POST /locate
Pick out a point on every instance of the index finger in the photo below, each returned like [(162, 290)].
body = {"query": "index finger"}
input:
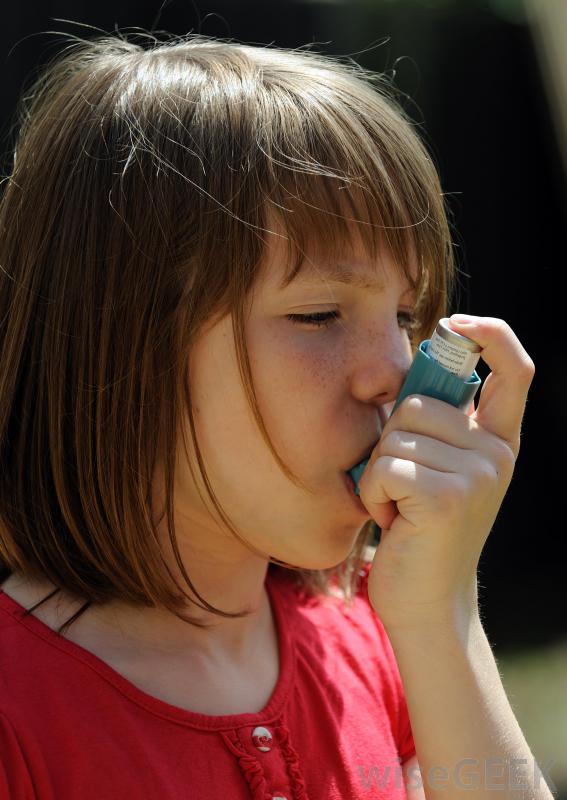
[(504, 393)]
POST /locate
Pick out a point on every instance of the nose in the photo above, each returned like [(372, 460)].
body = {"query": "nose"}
[(380, 366)]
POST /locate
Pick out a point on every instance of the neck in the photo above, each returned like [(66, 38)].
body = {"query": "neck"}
[(124, 628)]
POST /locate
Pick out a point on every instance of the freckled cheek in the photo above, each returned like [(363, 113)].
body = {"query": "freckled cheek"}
[(302, 389), (323, 370), (303, 365), (299, 371)]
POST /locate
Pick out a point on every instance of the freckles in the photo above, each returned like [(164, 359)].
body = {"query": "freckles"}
[(322, 368), (303, 363)]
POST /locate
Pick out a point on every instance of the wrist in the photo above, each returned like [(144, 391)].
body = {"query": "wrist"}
[(452, 620)]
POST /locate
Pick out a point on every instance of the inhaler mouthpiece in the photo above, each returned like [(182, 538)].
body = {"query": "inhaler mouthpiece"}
[(444, 368)]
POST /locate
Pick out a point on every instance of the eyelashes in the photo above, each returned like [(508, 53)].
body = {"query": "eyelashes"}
[(325, 318), (320, 320)]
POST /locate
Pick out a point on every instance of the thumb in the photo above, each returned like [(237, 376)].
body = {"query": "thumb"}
[(504, 393)]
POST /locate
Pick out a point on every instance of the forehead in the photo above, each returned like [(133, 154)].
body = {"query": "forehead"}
[(371, 278), (347, 263), (366, 274)]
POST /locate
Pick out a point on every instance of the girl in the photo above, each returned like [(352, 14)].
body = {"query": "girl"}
[(216, 260)]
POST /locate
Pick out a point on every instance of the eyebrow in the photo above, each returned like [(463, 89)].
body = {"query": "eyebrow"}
[(340, 273)]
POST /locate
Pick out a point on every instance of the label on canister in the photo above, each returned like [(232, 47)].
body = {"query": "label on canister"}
[(456, 353)]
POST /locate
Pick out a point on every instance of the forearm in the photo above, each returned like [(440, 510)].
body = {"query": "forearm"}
[(468, 741)]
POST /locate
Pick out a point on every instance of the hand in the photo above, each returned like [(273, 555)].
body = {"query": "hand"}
[(435, 482)]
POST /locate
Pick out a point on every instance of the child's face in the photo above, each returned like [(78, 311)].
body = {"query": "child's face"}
[(320, 391)]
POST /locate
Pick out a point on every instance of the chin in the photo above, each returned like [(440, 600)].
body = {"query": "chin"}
[(330, 553)]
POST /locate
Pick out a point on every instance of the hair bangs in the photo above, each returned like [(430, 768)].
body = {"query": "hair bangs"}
[(362, 175)]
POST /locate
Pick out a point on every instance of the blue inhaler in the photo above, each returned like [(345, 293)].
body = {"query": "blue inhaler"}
[(444, 368)]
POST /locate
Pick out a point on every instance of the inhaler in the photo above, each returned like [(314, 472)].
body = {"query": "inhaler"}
[(444, 368)]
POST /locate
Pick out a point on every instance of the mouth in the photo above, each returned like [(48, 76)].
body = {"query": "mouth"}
[(363, 457), (353, 491), (355, 472)]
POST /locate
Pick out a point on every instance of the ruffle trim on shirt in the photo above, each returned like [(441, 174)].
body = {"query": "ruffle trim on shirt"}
[(252, 769), (249, 765), (292, 763)]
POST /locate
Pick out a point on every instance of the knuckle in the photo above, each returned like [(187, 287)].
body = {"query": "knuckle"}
[(500, 324), (496, 326), (504, 458), (382, 465), (411, 404), (501, 328), (527, 368), (371, 469), (390, 443), (484, 476), (376, 473)]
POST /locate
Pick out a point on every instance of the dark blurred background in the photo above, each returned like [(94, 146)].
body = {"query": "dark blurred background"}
[(483, 79)]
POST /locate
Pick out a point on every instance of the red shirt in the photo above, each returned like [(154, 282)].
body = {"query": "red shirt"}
[(335, 728)]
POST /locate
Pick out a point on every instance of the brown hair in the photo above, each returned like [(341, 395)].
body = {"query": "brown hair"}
[(143, 177)]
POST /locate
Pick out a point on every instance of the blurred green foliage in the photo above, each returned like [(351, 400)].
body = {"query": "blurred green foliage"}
[(536, 685)]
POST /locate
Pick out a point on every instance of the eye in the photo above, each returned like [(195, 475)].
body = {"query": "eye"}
[(325, 318), (320, 320)]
